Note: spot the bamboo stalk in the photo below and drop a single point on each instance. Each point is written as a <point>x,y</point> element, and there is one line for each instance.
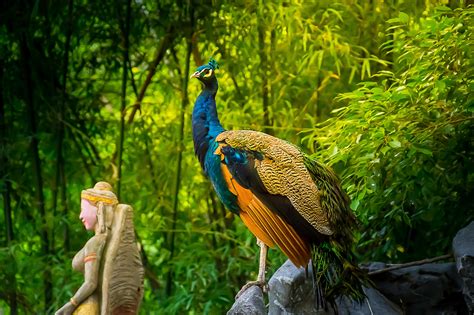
<point>83,158</point>
<point>37,170</point>
<point>6,193</point>
<point>59,172</point>
<point>126,44</point>
<point>263,73</point>
<point>184,103</point>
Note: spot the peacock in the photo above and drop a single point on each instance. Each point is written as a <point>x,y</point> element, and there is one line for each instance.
<point>283,196</point>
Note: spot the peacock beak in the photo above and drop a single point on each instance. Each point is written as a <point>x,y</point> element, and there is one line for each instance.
<point>195,75</point>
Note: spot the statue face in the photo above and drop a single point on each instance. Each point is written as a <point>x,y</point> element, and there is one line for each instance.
<point>88,214</point>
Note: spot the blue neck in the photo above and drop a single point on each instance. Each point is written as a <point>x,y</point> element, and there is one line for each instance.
<point>206,125</point>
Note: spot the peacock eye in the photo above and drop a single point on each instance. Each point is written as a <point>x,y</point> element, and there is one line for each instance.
<point>207,73</point>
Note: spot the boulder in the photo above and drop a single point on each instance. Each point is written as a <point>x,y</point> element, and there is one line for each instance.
<point>249,303</point>
<point>463,249</point>
<point>434,288</point>
<point>375,303</point>
<point>424,289</point>
<point>291,292</point>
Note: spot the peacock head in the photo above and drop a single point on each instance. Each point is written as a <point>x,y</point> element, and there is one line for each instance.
<point>206,73</point>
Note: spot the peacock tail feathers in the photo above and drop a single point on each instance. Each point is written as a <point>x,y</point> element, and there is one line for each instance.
<point>336,274</point>
<point>334,201</point>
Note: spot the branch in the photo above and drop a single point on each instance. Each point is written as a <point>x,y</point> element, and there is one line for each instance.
<point>132,77</point>
<point>159,56</point>
<point>196,54</point>
<point>410,264</point>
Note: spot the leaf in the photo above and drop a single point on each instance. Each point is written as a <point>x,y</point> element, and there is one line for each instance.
<point>400,248</point>
<point>423,150</point>
<point>395,144</point>
<point>355,204</point>
<point>403,17</point>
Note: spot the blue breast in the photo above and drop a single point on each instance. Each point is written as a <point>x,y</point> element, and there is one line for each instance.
<point>212,164</point>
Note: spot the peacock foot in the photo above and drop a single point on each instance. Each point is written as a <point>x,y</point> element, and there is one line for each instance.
<point>262,284</point>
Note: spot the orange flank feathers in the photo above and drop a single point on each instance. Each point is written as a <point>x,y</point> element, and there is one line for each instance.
<point>270,228</point>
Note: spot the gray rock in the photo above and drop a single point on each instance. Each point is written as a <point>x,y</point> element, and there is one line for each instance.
<point>291,292</point>
<point>463,248</point>
<point>442,289</point>
<point>425,289</point>
<point>375,303</point>
<point>249,303</point>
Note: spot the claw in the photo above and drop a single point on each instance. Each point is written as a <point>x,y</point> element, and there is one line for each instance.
<point>262,284</point>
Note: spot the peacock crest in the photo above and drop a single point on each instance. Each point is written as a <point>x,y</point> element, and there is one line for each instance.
<point>213,64</point>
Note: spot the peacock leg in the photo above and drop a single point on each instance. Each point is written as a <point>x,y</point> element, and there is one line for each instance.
<point>262,266</point>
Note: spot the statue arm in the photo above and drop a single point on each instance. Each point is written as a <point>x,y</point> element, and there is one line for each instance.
<point>92,256</point>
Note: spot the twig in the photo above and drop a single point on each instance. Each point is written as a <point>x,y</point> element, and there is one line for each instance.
<point>410,264</point>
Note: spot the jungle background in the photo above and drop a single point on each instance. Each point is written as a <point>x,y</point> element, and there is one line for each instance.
<point>381,90</point>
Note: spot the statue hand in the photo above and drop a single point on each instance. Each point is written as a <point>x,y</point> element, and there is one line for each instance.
<point>67,309</point>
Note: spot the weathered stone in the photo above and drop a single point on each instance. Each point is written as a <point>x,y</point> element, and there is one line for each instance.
<point>425,289</point>
<point>463,248</point>
<point>437,288</point>
<point>249,303</point>
<point>375,303</point>
<point>291,292</point>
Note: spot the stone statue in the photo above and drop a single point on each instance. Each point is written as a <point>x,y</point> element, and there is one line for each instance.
<point>110,260</point>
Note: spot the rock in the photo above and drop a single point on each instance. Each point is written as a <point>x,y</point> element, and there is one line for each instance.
<point>436,288</point>
<point>375,303</point>
<point>249,303</point>
<point>291,292</point>
<point>425,289</point>
<point>463,249</point>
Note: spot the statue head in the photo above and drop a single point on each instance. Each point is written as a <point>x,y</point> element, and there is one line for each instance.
<point>97,206</point>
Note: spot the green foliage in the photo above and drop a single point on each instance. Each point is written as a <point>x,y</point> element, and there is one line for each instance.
<point>401,142</point>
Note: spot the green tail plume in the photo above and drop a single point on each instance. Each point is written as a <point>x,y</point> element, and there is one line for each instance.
<point>336,274</point>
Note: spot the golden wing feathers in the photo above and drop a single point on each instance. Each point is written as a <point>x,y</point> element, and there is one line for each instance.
<point>280,168</point>
<point>267,225</point>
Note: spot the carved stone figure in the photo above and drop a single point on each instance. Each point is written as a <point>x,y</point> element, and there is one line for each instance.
<point>110,260</point>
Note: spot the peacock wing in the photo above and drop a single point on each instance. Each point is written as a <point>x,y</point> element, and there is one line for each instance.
<point>266,224</point>
<point>279,168</point>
